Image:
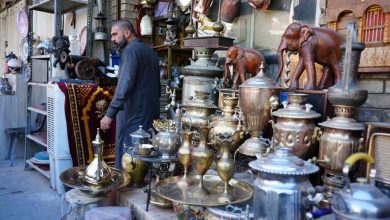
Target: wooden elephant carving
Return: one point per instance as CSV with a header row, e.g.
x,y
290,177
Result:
x,y
245,60
314,45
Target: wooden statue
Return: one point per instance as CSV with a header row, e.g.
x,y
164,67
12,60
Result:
x,y
314,45
230,9
259,4
246,61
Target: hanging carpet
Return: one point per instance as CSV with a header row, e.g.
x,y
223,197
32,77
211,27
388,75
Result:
x,y
85,106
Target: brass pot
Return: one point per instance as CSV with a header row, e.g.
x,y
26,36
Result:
x,y
227,125
198,111
136,168
295,126
256,95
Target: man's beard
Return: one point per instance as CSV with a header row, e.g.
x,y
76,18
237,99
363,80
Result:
x,y
121,45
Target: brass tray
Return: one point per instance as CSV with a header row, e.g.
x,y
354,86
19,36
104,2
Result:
x,y
169,189
74,178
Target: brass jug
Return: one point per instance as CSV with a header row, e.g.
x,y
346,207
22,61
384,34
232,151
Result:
x,y
227,124
184,154
98,174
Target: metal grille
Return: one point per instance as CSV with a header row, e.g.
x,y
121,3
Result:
x,y
382,155
50,124
374,25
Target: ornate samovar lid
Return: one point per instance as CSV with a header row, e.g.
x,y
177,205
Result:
x,y
344,120
202,100
260,81
296,108
283,162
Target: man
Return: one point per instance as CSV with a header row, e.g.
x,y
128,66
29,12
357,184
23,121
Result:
x,y
136,100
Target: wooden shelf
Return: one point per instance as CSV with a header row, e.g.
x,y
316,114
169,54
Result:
x,y
37,84
38,110
67,5
40,138
46,173
43,57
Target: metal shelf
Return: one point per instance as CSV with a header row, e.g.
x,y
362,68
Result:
x,y
38,110
43,57
37,84
46,173
67,5
40,138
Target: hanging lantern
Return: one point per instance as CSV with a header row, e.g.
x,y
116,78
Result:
x,y
146,25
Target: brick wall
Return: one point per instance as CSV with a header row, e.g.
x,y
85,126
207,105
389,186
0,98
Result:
x,y
377,106
127,9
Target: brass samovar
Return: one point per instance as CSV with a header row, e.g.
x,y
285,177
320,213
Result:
x,y
342,134
295,126
258,97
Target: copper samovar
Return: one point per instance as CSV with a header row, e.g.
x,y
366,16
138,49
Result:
x,y
258,96
342,134
295,126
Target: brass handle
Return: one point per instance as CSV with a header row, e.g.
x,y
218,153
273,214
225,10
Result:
x,y
316,136
350,161
272,122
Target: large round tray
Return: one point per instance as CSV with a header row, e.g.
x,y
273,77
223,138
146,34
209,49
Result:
x,y
169,189
74,178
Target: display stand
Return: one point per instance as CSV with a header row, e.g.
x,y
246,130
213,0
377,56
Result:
x,y
152,160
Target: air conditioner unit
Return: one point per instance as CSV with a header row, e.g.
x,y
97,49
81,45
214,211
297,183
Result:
x,y
57,136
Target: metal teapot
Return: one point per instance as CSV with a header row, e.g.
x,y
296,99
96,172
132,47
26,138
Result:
x,y
166,142
282,187
359,201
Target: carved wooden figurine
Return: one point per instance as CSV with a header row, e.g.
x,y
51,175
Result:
x,y
259,4
230,9
314,45
246,61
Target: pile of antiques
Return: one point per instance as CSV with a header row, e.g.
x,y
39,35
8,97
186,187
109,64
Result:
x,y
284,142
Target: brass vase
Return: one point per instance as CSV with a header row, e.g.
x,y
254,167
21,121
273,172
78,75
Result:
x,y
202,158
185,158
98,173
226,167
227,124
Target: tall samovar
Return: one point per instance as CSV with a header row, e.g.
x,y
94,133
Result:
x,y
258,97
198,110
342,134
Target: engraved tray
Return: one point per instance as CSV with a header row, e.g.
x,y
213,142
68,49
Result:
x,y
169,189
74,178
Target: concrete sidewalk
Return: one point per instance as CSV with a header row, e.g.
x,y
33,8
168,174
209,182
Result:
x,y
26,195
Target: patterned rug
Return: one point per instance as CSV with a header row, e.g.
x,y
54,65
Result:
x,y
85,106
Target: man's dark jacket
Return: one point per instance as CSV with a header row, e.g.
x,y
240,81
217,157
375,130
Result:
x,y
137,95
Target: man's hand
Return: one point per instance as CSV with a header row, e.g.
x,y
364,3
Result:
x,y
105,123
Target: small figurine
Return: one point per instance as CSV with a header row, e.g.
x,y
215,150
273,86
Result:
x,y
246,61
170,35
